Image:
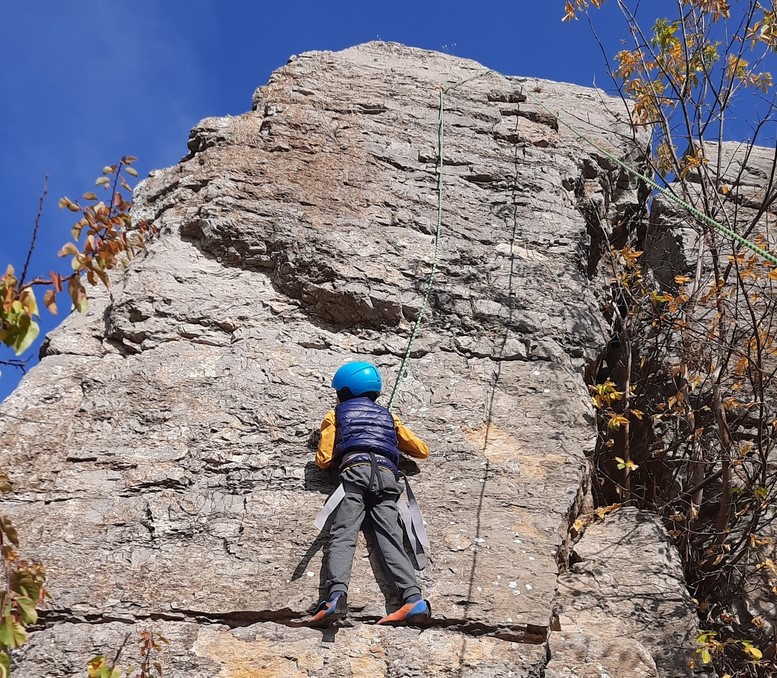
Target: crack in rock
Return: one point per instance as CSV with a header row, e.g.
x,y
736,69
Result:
x,y
514,633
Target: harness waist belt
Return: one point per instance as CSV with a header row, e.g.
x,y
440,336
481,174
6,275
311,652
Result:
x,y
366,458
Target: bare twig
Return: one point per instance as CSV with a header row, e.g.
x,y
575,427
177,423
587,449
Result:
x,y
35,229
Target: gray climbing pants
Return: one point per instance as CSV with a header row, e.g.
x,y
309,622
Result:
x,y
359,500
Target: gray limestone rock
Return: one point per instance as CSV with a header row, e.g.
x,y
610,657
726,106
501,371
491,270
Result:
x,y
624,610
161,453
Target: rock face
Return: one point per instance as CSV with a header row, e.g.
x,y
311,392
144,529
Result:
x,y
161,453
626,581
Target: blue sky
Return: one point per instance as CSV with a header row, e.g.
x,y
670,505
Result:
x,y
84,82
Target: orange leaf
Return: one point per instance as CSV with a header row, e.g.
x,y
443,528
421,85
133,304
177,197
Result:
x,y
56,280
50,300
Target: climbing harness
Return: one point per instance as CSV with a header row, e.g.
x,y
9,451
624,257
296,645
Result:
x,y
329,507
414,524
409,512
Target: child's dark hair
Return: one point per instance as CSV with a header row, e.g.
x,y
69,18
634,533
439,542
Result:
x,y
346,394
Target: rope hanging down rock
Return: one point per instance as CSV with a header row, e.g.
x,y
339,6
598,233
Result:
x,y
437,232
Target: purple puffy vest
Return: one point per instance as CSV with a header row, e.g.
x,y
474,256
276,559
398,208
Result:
x,y
363,426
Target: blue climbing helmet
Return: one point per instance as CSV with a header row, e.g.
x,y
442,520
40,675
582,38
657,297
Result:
x,y
359,378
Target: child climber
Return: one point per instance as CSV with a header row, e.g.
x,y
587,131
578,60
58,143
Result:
x,y
363,440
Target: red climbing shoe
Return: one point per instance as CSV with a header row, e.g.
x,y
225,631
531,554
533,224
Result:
x,y
330,611
418,612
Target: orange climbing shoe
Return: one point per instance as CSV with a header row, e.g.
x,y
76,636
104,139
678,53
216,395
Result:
x,y
418,612
329,612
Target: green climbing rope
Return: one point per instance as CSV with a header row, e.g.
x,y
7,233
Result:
x,y
437,232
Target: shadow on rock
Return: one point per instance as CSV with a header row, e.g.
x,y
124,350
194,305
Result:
x,y
318,480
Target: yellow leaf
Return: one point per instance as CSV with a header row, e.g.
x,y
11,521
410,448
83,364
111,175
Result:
x,y
25,337
630,255
95,667
132,171
616,421
102,181
604,510
30,304
77,294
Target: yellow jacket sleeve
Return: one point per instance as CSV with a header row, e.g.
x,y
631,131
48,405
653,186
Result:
x,y
408,442
326,444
